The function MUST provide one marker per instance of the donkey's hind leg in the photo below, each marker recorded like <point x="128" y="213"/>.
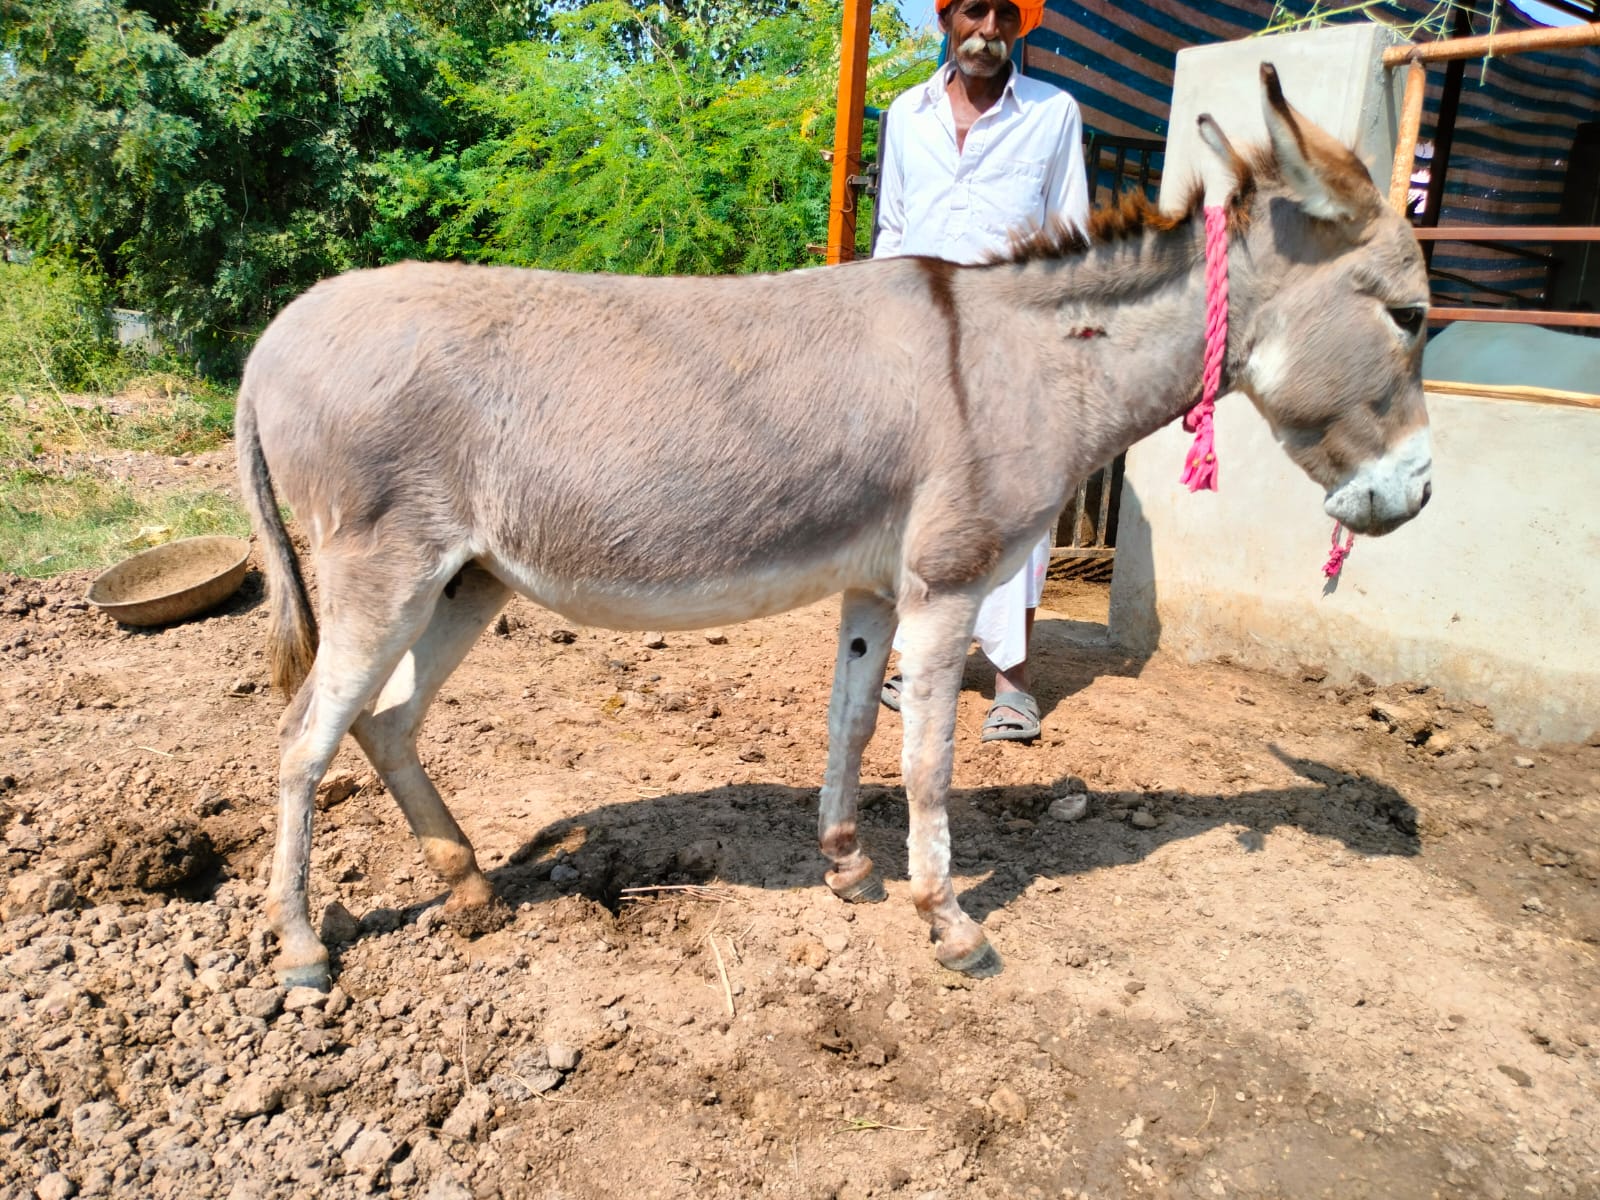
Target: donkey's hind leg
<point x="370" y="619"/>
<point x="866" y="627"/>
<point x="388" y="734"/>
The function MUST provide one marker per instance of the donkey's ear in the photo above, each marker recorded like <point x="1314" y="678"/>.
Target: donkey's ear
<point x="1211" y="134"/>
<point x="1327" y="177"/>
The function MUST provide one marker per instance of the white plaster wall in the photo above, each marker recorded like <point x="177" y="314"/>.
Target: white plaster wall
<point x="1492" y="593"/>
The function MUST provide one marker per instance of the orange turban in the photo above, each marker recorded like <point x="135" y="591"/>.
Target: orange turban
<point x="1032" y="13"/>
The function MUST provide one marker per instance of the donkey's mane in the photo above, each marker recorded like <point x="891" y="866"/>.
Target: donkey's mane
<point x="1133" y="214"/>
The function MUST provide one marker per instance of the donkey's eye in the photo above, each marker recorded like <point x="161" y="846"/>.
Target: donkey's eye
<point x="1410" y="318"/>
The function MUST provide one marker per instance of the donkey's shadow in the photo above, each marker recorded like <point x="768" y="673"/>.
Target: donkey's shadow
<point x="1001" y="834"/>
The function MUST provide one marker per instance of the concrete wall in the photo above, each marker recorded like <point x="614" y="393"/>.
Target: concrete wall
<point x="1492" y="594"/>
<point x="1333" y="75"/>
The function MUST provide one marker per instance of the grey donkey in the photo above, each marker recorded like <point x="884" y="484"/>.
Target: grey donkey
<point x="676" y="453"/>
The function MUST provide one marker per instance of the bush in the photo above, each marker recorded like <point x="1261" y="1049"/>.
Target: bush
<point x="54" y="332"/>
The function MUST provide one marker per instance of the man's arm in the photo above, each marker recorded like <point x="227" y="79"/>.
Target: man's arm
<point x="891" y="203"/>
<point x="1066" y="192"/>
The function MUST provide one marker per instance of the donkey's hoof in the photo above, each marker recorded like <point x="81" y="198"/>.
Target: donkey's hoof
<point x="311" y="975"/>
<point x="868" y="889"/>
<point x="982" y="963"/>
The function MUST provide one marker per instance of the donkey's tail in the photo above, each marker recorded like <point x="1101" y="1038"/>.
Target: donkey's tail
<point x="292" y="629"/>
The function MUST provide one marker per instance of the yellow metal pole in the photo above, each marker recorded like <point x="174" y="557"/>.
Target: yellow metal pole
<point x="847" y="129"/>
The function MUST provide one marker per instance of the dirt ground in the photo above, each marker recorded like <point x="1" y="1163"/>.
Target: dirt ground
<point x="1305" y="942"/>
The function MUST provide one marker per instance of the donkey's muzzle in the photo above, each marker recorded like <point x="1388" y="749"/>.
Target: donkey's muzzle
<point x="1384" y="493"/>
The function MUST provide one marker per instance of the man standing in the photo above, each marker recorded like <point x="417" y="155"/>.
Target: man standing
<point x="969" y="158"/>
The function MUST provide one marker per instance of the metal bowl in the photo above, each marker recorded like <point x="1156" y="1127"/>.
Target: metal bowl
<point x="171" y="582"/>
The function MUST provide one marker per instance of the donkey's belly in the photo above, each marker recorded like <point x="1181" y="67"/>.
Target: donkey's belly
<point x="720" y="599"/>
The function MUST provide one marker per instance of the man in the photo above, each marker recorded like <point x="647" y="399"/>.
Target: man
<point x="976" y="154"/>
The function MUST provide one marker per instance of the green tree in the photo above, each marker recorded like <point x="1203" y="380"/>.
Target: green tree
<point x="212" y="161"/>
<point x="653" y="138"/>
<point x="213" y="158"/>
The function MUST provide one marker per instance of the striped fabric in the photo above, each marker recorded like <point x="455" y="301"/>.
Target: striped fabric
<point x="1515" y="129"/>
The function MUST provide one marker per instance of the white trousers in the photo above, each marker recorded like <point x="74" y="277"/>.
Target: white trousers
<point x="1002" y="628"/>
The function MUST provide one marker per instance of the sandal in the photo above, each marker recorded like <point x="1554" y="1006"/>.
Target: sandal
<point x="890" y="695"/>
<point x="1020" y="725"/>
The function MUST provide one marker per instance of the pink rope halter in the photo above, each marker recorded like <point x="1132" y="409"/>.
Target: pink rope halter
<point x="1200" y="467"/>
<point x="1339" y="553"/>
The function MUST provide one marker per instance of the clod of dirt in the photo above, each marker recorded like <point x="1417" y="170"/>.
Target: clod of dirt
<point x="177" y="858"/>
<point x="470" y="1117"/>
<point x="35" y="892"/>
<point x="698" y="860"/>
<point x="1410" y="721"/>
<point x="336" y="789"/>
<point x="1069" y="808"/>
<point x="475" y="920"/>
<point x="339" y="924"/>
<point x="1008" y="1103"/>
<point x="253" y="1097"/>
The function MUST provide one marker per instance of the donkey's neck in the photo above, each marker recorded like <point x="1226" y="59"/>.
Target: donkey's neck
<point x="1116" y="340"/>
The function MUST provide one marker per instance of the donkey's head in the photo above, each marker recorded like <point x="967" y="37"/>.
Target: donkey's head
<point x="1338" y="305"/>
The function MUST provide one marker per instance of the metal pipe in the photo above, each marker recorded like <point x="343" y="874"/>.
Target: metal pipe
<point x="1405" y="150"/>
<point x="1517" y="316"/>
<point x="1521" y="41"/>
<point x="1510" y="233"/>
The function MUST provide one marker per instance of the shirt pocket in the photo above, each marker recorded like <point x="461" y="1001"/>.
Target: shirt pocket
<point x="1009" y="194"/>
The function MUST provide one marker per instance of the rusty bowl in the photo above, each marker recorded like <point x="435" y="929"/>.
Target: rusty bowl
<point x="172" y="582"/>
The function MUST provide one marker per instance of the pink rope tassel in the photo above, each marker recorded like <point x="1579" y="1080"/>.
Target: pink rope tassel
<point x="1200" y="469"/>
<point x="1339" y="553"/>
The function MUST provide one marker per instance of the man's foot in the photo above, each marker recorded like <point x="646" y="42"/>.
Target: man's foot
<point x="890" y="695"/>
<point x="1013" y="717"/>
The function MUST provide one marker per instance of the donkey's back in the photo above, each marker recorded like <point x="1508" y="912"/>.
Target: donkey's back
<point x="632" y="452"/>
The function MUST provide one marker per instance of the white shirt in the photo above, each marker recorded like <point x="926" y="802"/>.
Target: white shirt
<point x="1021" y="165"/>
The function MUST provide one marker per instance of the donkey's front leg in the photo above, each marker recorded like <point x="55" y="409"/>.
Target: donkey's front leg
<point x="934" y="644"/>
<point x="866" y="627"/>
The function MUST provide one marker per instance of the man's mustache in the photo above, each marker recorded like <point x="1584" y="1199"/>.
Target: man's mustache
<point x="978" y="44"/>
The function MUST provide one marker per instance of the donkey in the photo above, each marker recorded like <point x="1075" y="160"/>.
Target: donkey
<point x="677" y="453"/>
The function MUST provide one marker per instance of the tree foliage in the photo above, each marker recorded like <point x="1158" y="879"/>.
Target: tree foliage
<point x="212" y="159"/>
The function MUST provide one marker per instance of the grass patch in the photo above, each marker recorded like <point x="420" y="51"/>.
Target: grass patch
<point x="53" y="523"/>
<point x="157" y="413"/>
<point x="69" y="394"/>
